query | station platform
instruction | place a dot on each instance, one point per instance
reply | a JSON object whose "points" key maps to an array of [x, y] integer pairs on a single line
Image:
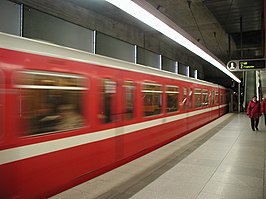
{"points": [[224, 159]]}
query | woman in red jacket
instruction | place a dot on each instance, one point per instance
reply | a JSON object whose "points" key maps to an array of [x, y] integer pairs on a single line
{"points": [[254, 113]]}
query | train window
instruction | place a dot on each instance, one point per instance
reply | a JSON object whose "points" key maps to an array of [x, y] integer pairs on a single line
{"points": [[107, 100], [205, 97], [223, 98], [212, 98], [216, 97], [184, 99], [198, 98], [129, 99], [172, 93], [152, 99], [50, 102], [190, 98]]}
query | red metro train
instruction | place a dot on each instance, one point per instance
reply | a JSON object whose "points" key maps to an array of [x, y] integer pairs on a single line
{"points": [[67, 116]]}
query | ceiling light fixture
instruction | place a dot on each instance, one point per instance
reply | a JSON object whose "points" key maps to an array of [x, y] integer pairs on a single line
{"points": [[146, 17]]}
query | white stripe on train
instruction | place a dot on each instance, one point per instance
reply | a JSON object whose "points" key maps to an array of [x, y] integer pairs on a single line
{"points": [[23, 152]]}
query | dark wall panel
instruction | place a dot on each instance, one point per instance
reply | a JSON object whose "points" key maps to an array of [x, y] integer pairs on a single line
{"points": [[112, 47], [9, 17], [38, 25], [148, 58], [169, 65]]}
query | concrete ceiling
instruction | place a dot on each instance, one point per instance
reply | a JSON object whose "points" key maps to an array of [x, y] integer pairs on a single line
{"points": [[236, 16], [210, 22], [196, 20]]}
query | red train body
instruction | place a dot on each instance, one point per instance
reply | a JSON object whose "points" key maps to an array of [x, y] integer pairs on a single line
{"points": [[125, 111]]}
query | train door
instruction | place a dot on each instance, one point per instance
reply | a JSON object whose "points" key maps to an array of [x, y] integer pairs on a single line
{"points": [[8, 172], [111, 111], [2, 122], [127, 116]]}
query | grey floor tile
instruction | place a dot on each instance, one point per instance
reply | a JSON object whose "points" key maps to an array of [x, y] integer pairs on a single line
{"points": [[156, 195], [239, 170], [178, 189], [230, 164], [240, 180], [215, 196], [73, 193], [186, 177], [244, 158], [193, 169], [202, 162], [233, 191], [248, 164]]}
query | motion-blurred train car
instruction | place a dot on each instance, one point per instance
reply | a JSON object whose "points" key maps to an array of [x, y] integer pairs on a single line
{"points": [[67, 116]]}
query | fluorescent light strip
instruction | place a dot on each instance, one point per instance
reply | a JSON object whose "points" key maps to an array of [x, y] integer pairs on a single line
{"points": [[141, 14]]}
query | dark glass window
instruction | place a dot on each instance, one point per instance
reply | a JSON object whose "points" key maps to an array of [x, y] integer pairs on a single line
{"points": [[205, 97], [172, 94], [108, 93], [129, 99], [212, 97], [216, 97], [198, 98]]}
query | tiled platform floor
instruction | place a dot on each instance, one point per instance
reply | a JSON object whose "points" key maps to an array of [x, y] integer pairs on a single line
{"points": [[222, 160]]}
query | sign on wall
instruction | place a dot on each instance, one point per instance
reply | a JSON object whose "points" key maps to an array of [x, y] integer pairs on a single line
{"points": [[246, 65]]}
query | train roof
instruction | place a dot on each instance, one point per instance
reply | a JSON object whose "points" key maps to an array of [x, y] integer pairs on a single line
{"points": [[27, 45]]}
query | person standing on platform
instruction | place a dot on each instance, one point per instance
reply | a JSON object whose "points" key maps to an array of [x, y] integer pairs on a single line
{"points": [[263, 109], [254, 113]]}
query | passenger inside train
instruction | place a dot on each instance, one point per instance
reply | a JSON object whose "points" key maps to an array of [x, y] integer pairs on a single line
{"points": [[69, 118], [46, 119], [49, 101]]}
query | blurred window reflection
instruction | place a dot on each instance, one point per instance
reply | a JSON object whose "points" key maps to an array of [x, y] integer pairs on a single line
{"points": [[184, 100], [129, 99], [152, 99], [172, 93], [198, 98], [216, 97], [108, 94], [205, 97], [190, 94], [211, 97], [50, 102]]}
